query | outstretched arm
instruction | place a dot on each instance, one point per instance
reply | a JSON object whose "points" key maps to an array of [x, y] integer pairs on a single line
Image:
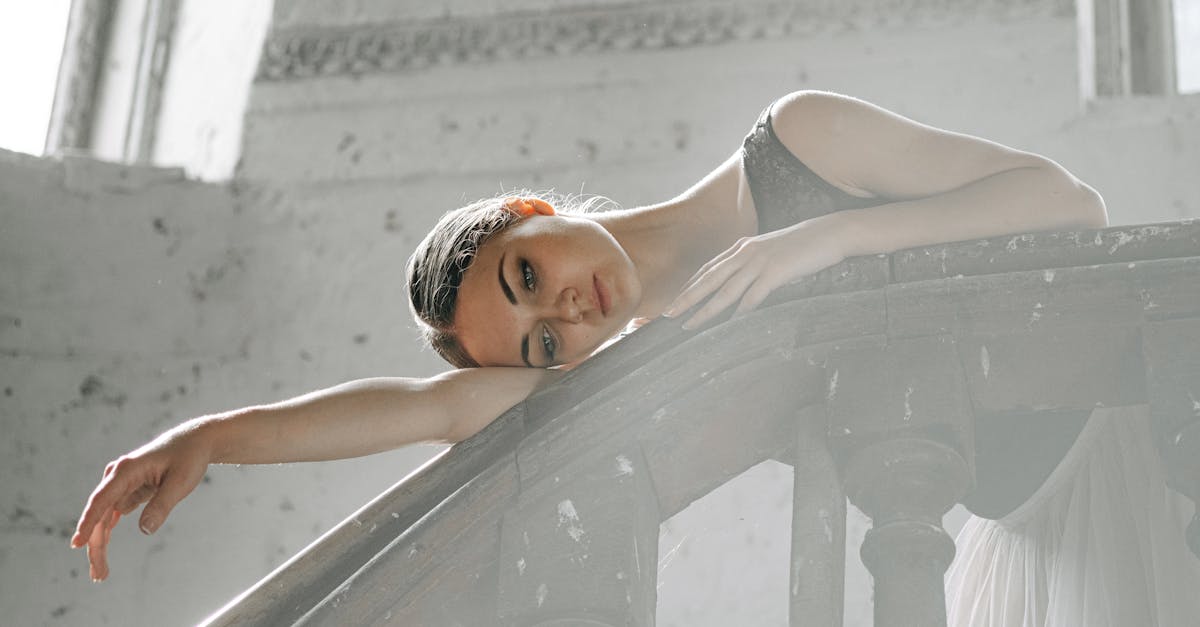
{"points": [[349, 420], [932, 186]]}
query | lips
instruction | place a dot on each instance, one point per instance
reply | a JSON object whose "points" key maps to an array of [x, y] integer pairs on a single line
{"points": [[601, 295]]}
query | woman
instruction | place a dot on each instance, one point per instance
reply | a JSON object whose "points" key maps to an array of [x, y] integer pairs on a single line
{"points": [[509, 285]]}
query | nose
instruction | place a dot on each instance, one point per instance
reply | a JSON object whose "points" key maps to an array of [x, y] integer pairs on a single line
{"points": [[566, 308]]}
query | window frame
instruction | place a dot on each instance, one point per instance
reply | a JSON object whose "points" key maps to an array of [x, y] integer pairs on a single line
{"points": [[1127, 48]]}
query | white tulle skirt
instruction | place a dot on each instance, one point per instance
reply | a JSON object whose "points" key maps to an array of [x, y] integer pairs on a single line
{"points": [[1100, 544]]}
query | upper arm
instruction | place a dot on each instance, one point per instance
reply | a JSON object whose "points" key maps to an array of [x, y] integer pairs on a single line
{"points": [[858, 146], [471, 398]]}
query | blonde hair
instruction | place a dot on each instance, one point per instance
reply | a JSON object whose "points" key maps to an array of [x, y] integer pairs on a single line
{"points": [[435, 270]]}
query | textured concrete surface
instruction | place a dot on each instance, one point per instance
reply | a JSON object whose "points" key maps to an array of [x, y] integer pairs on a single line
{"points": [[133, 299]]}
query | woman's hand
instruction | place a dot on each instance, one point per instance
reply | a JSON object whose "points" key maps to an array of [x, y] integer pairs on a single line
{"points": [[161, 472], [753, 267]]}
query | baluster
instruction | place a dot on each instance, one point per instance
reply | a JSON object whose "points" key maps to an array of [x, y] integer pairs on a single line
{"points": [[818, 526], [901, 415], [906, 485]]}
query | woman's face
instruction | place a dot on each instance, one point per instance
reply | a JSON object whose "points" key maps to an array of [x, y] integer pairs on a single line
{"points": [[546, 291]]}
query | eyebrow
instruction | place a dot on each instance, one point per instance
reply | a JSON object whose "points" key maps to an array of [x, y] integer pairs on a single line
{"points": [[508, 293]]}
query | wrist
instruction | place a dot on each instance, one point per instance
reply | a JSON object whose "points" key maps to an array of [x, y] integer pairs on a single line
{"points": [[841, 230], [201, 435]]}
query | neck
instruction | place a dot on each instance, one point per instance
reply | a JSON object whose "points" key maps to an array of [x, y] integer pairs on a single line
{"points": [[667, 244]]}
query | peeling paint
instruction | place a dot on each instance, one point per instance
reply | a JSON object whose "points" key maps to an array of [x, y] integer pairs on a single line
{"points": [[567, 516], [832, 385], [637, 560], [1048, 275], [1195, 405], [1123, 238], [908, 407], [624, 466], [542, 593], [985, 361], [521, 566]]}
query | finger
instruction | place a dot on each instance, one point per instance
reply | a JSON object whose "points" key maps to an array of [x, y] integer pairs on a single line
{"points": [[174, 486], [132, 501], [756, 294], [112, 489], [712, 273], [97, 548], [704, 285], [92, 512], [726, 296], [704, 269]]}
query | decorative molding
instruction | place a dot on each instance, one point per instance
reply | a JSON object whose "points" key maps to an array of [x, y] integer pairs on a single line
{"points": [[307, 52]]}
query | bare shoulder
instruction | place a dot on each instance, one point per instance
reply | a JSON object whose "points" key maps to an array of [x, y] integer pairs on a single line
{"points": [[818, 126], [814, 114], [867, 150]]}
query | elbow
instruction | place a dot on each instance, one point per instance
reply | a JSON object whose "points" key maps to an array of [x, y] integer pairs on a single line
{"points": [[1089, 207], [1075, 204]]}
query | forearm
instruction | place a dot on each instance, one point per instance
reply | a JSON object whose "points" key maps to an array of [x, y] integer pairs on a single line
{"points": [[364, 417], [348, 420], [1015, 201]]}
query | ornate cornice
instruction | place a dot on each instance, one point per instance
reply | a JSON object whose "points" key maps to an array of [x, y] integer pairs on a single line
{"points": [[305, 52]]}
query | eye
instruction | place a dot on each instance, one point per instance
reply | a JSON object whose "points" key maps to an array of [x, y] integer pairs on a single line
{"points": [[548, 344], [527, 275]]}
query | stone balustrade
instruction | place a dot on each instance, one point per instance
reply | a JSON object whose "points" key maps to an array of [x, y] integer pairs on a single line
{"points": [[868, 377]]}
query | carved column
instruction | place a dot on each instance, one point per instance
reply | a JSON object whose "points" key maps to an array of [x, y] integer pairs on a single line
{"points": [[906, 486], [581, 547], [900, 415]]}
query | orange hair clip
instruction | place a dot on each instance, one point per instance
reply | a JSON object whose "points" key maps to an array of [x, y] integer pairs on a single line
{"points": [[525, 207]]}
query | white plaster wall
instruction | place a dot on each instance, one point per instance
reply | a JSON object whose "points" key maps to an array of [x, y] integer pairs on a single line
{"points": [[300, 266], [131, 300]]}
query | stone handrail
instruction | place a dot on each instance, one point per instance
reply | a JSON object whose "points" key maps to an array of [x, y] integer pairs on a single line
{"points": [[867, 377]]}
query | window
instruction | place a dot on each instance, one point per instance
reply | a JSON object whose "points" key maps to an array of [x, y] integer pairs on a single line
{"points": [[31, 42], [1139, 47], [1187, 45]]}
